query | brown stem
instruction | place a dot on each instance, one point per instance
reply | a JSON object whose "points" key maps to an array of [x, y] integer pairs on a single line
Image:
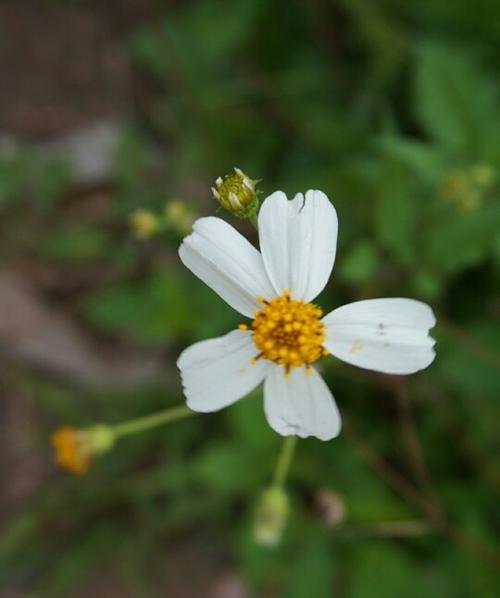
{"points": [[386, 529], [417, 501], [413, 445]]}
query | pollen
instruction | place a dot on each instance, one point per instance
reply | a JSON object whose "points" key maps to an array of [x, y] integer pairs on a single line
{"points": [[71, 449], [288, 332]]}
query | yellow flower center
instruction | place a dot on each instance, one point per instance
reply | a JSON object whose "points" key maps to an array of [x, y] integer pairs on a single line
{"points": [[288, 332], [72, 449]]}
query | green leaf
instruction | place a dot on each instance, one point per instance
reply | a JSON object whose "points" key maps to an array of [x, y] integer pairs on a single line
{"points": [[396, 214], [455, 101], [360, 264], [465, 366], [383, 571], [463, 239], [226, 469], [75, 244], [427, 284], [425, 160], [151, 312], [313, 568]]}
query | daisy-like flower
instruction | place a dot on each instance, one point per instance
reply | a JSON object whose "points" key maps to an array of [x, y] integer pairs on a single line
{"points": [[287, 333]]}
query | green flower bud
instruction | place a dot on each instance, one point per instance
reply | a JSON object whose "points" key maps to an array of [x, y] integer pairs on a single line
{"points": [[236, 193], [179, 216], [144, 224], [101, 438], [271, 516]]}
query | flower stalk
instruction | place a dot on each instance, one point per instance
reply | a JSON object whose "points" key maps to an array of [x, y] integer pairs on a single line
{"points": [[135, 426], [75, 448], [274, 505], [284, 461]]}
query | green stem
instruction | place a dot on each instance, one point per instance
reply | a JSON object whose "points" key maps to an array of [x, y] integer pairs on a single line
{"points": [[284, 461], [151, 421], [254, 219]]}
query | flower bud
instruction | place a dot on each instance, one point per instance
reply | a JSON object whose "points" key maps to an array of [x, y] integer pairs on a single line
{"points": [[75, 448], [179, 216], [144, 224], [271, 516], [236, 193]]}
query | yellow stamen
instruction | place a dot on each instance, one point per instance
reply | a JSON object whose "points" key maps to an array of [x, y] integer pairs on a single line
{"points": [[288, 332]]}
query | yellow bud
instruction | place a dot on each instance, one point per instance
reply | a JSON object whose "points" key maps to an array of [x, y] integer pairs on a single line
{"points": [[144, 224], [236, 193], [271, 516], [179, 215]]}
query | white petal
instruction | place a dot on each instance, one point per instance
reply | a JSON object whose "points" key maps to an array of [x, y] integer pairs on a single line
{"points": [[300, 405], [298, 240], [385, 335], [225, 261], [218, 371]]}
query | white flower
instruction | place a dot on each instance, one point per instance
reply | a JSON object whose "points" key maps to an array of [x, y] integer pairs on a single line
{"points": [[298, 239]]}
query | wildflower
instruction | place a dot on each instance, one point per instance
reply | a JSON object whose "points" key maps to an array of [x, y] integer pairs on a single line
{"points": [[288, 333], [144, 224], [271, 516], [74, 448], [236, 193]]}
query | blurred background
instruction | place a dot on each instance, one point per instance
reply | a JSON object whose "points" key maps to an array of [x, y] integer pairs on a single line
{"points": [[392, 108]]}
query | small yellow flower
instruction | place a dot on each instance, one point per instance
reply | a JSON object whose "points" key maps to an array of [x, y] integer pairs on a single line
{"points": [[75, 448], [144, 224], [179, 216], [271, 516], [467, 189], [236, 193]]}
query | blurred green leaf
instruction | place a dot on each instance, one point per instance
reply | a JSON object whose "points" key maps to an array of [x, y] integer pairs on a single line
{"points": [[226, 469], [313, 568], [360, 264], [77, 243], [425, 160], [151, 312], [401, 573], [463, 239], [470, 369], [455, 101], [396, 215]]}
